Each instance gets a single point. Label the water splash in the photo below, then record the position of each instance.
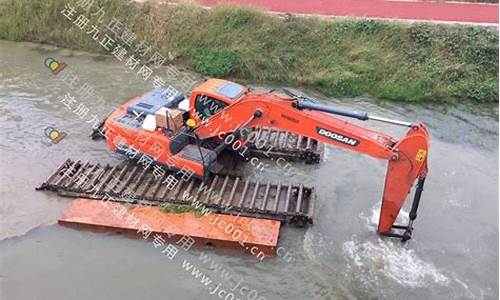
(391, 260)
(372, 220)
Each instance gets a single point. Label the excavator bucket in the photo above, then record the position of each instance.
(402, 172)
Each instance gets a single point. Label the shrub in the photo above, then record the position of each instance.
(216, 62)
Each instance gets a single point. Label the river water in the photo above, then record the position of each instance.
(453, 254)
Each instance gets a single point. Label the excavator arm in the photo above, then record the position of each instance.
(407, 157)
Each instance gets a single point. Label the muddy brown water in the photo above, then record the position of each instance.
(454, 252)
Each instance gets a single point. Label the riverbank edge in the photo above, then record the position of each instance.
(411, 62)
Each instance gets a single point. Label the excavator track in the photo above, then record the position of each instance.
(131, 183)
(272, 143)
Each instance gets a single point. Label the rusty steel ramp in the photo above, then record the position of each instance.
(227, 194)
(258, 237)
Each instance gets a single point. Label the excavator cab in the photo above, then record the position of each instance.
(212, 96)
(153, 125)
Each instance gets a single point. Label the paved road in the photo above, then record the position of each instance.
(406, 10)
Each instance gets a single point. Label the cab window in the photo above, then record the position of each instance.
(207, 106)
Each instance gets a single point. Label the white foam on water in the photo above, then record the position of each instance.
(465, 287)
(372, 220)
(389, 258)
(393, 261)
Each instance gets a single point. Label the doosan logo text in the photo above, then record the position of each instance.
(337, 137)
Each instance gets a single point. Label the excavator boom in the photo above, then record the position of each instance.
(407, 157)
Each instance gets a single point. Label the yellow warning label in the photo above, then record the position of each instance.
(420, 155)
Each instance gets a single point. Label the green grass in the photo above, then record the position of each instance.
(340, 58)
(180, 209)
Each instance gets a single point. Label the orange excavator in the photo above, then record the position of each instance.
(218, 117)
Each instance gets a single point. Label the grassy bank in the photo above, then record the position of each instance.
(342, 58)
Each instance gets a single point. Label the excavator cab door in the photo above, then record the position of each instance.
(206, 106)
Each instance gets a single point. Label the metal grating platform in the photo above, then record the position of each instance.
(129, 182)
